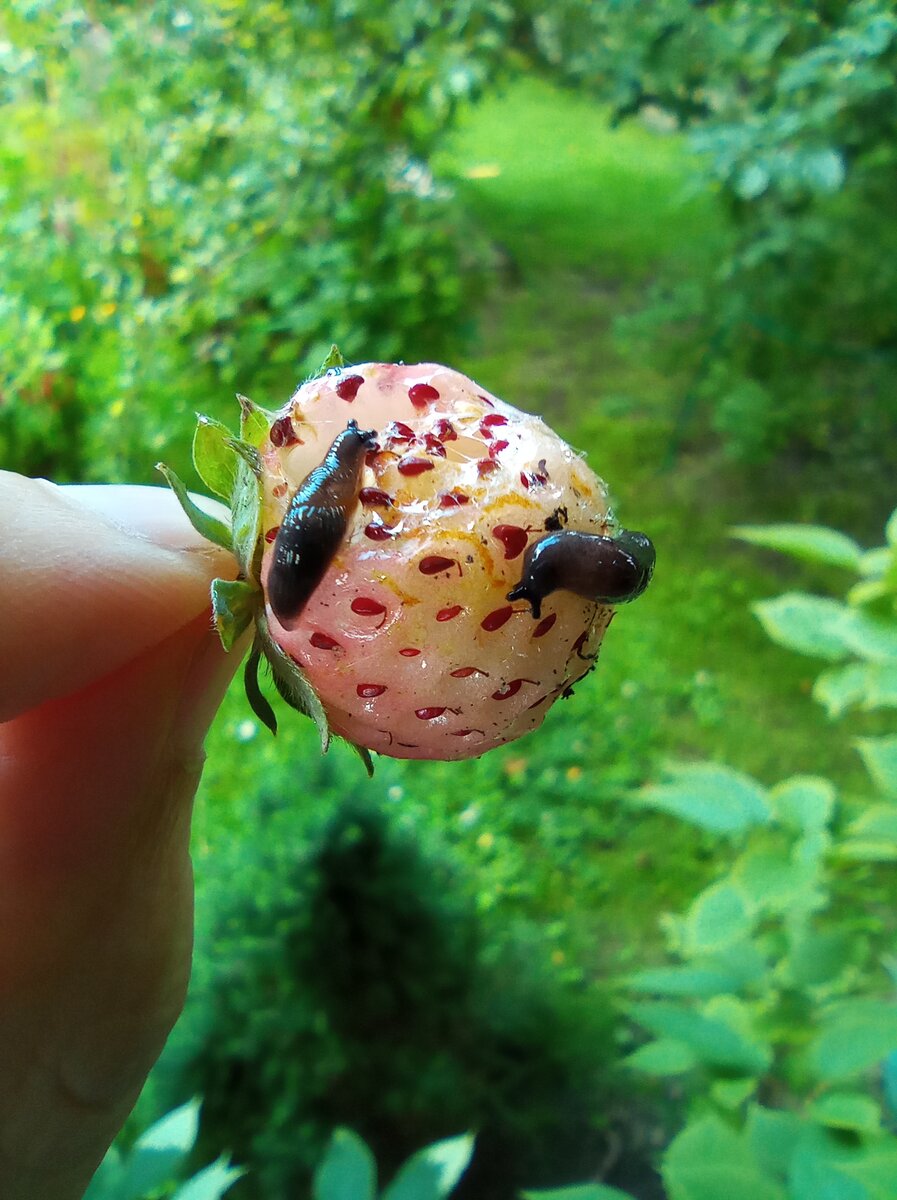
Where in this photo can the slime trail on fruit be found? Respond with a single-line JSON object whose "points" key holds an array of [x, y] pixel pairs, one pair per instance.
{"points": [[607, 570], [316, 522]]}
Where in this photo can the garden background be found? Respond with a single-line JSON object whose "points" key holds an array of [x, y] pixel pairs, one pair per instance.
{"points": [[652, 946]]}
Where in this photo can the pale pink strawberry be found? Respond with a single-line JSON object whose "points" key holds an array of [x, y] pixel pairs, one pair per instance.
{"points": [[409, 640]]}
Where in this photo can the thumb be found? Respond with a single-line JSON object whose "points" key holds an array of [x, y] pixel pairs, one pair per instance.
{"points": [[89, 578], [96, 782]]}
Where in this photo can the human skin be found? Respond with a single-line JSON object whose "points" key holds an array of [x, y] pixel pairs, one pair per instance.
{"points": [[110, 673]]}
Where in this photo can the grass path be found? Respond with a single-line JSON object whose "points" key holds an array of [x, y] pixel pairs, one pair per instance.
{"points": [[585, 217]]}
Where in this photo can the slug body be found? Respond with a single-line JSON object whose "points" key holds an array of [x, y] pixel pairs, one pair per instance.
{"points": [[315, 523], [608, 570]]}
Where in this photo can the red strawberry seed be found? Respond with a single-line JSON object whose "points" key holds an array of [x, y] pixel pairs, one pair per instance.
{"points": [[512, 537], [409, 465], [322, 642], [433, 564], [348, 385], [496, 618], [421, 394]]}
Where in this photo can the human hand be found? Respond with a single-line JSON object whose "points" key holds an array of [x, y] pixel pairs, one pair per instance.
{"points": [[110, 673]]}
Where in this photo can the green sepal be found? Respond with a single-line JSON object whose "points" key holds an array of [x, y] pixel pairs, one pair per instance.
{"points": [[291, 683], [891, 529], [365, 755], [208, 527], [868, 592], [213, 456], [248, 453], [292, 686], [234, 605], [246, 514], [257, 702], [333, 359], [255, 423]]}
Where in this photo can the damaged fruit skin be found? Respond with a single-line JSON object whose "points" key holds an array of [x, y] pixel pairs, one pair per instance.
{"points": [[409, 638]]}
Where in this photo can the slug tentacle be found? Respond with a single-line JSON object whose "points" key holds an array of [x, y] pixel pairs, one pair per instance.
{"points": [[315, 523], [608, 570]]}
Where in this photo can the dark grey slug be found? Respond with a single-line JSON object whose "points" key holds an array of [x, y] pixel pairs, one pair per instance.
{"points": [[316, 523], [609, 570]]}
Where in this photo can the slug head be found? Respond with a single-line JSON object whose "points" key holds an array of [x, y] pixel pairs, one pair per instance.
{"points": [[604, 569]]}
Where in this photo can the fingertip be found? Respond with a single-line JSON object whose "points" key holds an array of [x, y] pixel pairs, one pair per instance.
{"points": [[89, 580], [151, 513]]}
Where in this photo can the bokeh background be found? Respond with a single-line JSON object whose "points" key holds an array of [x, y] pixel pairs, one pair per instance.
{"points": [[671, 230]]}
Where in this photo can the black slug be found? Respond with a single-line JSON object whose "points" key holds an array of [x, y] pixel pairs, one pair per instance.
{"points": [[610, 570], [316, 523]]}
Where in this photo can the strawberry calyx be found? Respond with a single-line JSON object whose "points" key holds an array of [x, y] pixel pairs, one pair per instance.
{"points": [[231, 468]]}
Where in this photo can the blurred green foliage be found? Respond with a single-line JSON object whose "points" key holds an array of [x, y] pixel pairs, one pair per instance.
{"points": [[777, 1013], [200, 197], [774, 1012], [151, 1165], [791, 108], [354, 981], [349, 1169]]}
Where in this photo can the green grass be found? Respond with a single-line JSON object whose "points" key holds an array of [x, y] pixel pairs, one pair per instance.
{"points": [[561, 188]]}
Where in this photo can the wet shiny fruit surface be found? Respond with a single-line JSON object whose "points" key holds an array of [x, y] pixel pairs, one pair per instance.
{"points": [[409, 639]]}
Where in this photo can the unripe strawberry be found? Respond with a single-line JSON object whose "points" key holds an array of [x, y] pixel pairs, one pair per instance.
{"points": [[409, 637]]}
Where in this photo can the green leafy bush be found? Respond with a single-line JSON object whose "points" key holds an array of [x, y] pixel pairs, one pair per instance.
{"points": [[349, 1171], [202, 197], [358, 985], [156, 1159], [791, 108], [777, 1014]]}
